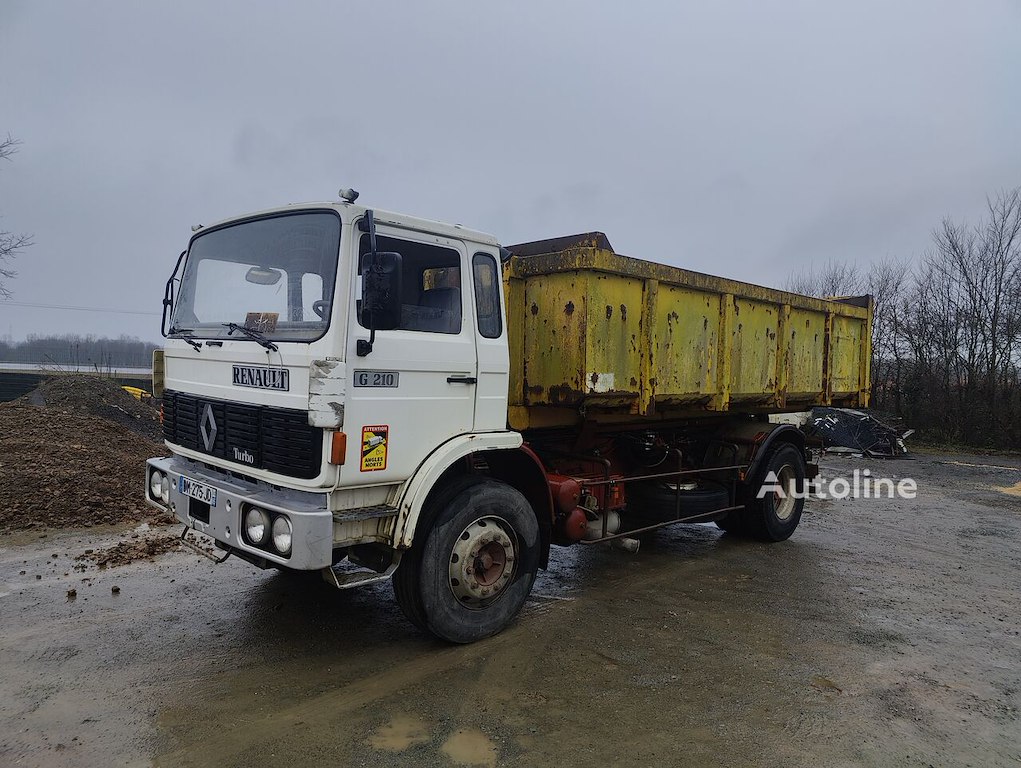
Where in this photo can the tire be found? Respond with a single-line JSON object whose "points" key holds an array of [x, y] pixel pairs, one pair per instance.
{"points": [[473, 563], [652, 502], [770, 518], [735, 523]]}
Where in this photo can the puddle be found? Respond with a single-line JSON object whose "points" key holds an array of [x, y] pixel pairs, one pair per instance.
{"points": [[825, 685], [980, 466], [1011, 490], [470, 747], [401, 733]]}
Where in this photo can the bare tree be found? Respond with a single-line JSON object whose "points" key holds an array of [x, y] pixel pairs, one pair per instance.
{"points": [[10, 243], [834, 278], [947, 330], [884, 281]]}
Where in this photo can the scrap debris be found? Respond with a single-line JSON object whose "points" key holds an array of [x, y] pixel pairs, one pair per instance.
{"points": [[847, 431]]}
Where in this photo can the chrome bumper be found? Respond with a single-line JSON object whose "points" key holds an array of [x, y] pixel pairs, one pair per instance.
{"points": [[311, 520]]}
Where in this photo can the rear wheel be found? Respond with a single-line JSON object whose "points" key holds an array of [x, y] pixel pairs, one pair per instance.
{"points": [[474, 564], [655, 502], [772, 511], [735, 523]]}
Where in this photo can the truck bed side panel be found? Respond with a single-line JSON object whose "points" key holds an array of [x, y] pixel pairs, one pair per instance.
{"points": [[607, 337]]}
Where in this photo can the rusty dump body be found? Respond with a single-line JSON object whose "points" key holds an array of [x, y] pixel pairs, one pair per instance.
{"points": [[599, 336]]}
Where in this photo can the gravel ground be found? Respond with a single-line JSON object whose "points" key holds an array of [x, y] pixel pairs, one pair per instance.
{"points": [[886, 632]]}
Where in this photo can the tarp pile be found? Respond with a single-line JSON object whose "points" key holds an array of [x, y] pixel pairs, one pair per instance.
{"points": [[842, 430]]}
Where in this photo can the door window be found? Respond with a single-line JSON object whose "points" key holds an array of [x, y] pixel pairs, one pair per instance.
{"points": [[487, 295], [431, 284]]}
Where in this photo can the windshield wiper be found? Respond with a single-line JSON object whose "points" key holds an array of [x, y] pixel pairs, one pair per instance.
{"points": [[253, 335], [184, 334]]}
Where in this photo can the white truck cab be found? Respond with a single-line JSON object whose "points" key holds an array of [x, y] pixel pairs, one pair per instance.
{"points": [[292, 441]]}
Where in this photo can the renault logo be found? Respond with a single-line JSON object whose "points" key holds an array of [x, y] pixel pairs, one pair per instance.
{"points": [[207, 426]]}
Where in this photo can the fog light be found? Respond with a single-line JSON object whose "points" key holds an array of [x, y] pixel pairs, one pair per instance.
{"points": [[165, 489], [256, 525], [156, 485], [282, 535]]}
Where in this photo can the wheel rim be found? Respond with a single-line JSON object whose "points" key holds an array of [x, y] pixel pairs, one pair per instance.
{"points": [[483, 561], [783, 506]]}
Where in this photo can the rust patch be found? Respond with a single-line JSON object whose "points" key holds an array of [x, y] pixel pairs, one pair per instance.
{"points": [[634, 382], [623, 312], [563, 394], [569, 308], [609, 311], [594, 378], [535, 308], [705, 323]]}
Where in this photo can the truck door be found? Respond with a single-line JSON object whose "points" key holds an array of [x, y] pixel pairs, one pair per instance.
{"points": [[416, 389], [491, 341]]}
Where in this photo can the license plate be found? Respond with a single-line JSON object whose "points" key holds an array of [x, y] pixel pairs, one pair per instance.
{"points": [[197, 490]]}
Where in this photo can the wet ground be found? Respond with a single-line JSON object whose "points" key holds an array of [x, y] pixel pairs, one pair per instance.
{"points": [[886, 632]]}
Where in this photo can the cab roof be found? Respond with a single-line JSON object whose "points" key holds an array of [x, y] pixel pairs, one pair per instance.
{"points": [[351, 212]]}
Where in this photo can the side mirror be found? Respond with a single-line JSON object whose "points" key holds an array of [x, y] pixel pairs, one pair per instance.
{"points": [[381, 292]]}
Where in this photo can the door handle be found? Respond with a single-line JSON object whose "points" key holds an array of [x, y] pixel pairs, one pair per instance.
{"points": [[461, 380]]}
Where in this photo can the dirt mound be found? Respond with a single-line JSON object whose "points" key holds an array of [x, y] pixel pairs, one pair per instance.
{"points": [[60, 468], [89, 395]]}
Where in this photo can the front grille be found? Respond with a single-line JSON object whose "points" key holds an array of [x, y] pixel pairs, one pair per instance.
{"points": [[275, 439]]}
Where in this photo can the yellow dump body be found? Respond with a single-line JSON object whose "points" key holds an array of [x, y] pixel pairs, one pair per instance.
{"points": [[597, 335]]}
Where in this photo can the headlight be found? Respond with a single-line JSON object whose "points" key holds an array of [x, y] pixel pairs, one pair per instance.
{"points": [[165, 489], [256, 525], [156, 485], [282, 535]]}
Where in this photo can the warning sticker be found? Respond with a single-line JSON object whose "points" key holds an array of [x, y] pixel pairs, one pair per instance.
{"points": [[375, 441]]}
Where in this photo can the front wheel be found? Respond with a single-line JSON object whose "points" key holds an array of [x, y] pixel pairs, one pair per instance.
{"points": [[473, 563]]}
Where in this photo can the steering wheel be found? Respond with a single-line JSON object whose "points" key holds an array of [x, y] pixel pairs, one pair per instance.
{"points": [[320, 308]]}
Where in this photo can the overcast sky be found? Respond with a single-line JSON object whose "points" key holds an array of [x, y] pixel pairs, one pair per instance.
{"points": [[745, 139]]}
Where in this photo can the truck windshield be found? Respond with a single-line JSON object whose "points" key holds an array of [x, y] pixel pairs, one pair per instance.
{"points": [[274, 276]]}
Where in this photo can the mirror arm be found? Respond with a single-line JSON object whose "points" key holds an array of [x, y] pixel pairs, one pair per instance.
{"points": [[368, 224], [364, 347], [168, 296]]}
